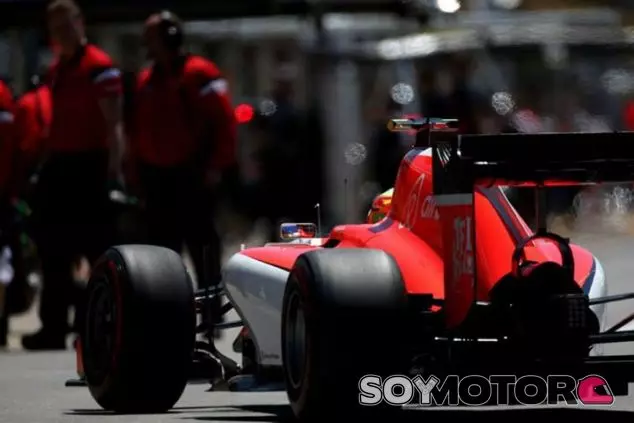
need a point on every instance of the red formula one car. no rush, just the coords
(450, 282)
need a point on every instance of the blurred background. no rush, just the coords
(314, 83)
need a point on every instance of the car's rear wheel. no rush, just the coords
(337, 306)
(139, 333)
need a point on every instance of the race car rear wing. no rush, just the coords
(463, 162)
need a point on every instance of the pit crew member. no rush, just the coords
(83, 152)
(183, 137)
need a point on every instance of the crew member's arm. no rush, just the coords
(216, 107)
(109, 91)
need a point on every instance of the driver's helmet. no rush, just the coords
(380, 206)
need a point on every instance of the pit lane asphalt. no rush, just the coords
(32, 384)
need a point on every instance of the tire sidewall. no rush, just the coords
(298, 284)
(110, 269)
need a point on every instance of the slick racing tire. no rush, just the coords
(343, 317)
(139, 334)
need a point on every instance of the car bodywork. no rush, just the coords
(411, 232)
(463, 281)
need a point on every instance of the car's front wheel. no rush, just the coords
(139, 333)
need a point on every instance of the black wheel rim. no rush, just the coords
(100, 333)
(296, 340)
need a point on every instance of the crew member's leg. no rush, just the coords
(55, 247)
(91, 248)
(17, 295)
(55, 298)
(18, 289)
(162, 201)
(202, 236)
(95, 225)
(4, 300)
(203, 242)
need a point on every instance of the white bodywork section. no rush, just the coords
(598, 289)
(315, 242)
(256, 290)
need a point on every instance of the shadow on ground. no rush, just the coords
(283, 414)
(98, 412)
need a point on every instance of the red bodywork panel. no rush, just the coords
(282, 256)
(412, 234)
